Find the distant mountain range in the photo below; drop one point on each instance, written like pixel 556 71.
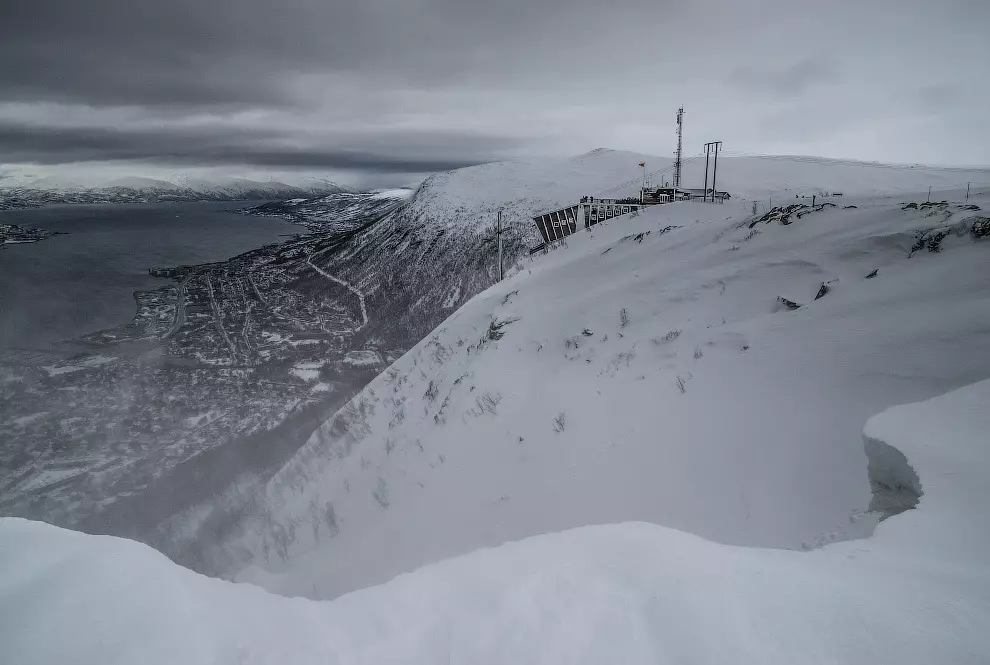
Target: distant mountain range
pixel 30 193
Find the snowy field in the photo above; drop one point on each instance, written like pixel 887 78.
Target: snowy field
pixel 917 591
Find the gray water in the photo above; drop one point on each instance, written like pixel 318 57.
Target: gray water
pixel 84 281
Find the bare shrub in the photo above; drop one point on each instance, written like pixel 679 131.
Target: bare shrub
pixel 389 445
pixel 486 403
pixel 397 417
pixel 440 417
pixel 669 337
pixel 681 385
pixel 495 332
pixel 314 519
pixel 381 493
pixel 330 517
pixel 623 317
pixel 431 391
pixel 560 422
pixel 508 296
pixel 698 352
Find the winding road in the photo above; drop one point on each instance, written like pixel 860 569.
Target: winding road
pixel 346 285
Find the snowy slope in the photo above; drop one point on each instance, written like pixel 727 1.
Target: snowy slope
pixel 455 447
pixel 548 183
pixel 762 176
pixel 340 211
pixel 916 592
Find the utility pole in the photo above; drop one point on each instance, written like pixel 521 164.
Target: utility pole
pixel 498 232
pixel 929 193
pixel 967 192
pixel 708 148
pixel 718 145
pixel 677 163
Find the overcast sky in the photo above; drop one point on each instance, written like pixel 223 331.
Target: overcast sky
pixel 378 92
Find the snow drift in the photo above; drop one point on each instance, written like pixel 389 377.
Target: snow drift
pixel 917 591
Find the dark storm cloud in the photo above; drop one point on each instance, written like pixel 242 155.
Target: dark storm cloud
pixel 232 146
pixel 225 52
pixel 788 81
pixel 366 85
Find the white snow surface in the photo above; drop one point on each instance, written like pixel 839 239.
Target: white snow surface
pixel 455 446
pixel 917 591
pixel 400 193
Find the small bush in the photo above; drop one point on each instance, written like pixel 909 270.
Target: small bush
pixel 330 517
pixel 495 332
pixel 669 337
pixel 381 493
pixel 681 385
pixel 560 422
pixel 488 403
pixel 698 353
pixel 623 317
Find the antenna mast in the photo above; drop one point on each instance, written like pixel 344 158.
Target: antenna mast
pixel 677 163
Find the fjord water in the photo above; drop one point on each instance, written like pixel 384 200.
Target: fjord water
pixel 84 280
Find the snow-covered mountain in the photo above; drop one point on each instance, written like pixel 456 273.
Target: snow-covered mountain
pixel 341 211
pixel 26 191
pixel 697 392
pixel 413 267
pixel 651 370
pixel 721 375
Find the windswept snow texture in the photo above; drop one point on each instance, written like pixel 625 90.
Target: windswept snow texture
pixel 646 371
pixel 341 212
pixel 916 592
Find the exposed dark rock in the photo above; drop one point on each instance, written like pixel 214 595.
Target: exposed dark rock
pixel 979 226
